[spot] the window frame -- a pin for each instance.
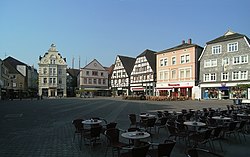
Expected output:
(233, 48)
(216, 49)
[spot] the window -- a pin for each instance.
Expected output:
(101, 73)
(210, 63)
(166, 75)
(54, 80)
(213, 62)
(45, 80)
(85, 81)
(188, 73)
(224, 76)
(244, 59)
(182, 59)
(236, 60)
(104, 81)
(173, 60)
(213, 77)
(173, 74)
(90, 81)
(54, 71)
(187, 58)
(182, 72)
(236, 75)
(216, 49)
(206, 77)
(165, 62)
(231, 47)
(59, 71)
(52, 61)
(87, 72)
(161, 75)
(240, 59)
(44, 70)
(50, 71)
(94, 81)
(60, 80)
(240, 75)
(225, 61)
(50, 80)
(161, 62)
(209, 77)
(99, 81)
(94, 73)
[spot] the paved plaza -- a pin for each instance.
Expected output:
(43, 128)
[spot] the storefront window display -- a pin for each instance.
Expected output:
(237, 92)
(213, 93)
(210, 93)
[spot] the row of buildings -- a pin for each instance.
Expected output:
(217, 71)
(220, 70)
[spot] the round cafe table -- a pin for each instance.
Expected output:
(221, 118)
(136, 136)
(91, 122)
(194, 124)
(147, 115)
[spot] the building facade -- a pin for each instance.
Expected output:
(143, 75)
(178, 71)
(52, 74)
(225, 67)
(93, 80)
(120, 79)
(22, 78)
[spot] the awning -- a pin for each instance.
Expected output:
(138, 89)
(164, 88)
(184, 87)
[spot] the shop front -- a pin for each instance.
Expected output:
(176, 90)
(223, 91)
(137, 90)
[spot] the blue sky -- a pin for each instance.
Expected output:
(103, 29)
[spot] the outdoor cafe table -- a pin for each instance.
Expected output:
(194, 124)
(243, 115)
(221, 118)
(147, 115)
(91, 122)
(136, 136)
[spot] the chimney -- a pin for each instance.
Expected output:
(189, 41)
(183, 41)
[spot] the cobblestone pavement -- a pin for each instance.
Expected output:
(42, 128)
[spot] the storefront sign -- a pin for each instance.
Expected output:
(173, 84)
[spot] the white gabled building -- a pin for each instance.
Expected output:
(52, 74)
(93, 79)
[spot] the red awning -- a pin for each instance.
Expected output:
(165, 88)
(137, 89)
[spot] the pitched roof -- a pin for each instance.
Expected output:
(151, 57)
(226, 37)
(73, 72)
(14, 62)
(128, 63)
(11, 68)
(179, 47)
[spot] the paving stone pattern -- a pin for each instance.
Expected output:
(43, 128)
